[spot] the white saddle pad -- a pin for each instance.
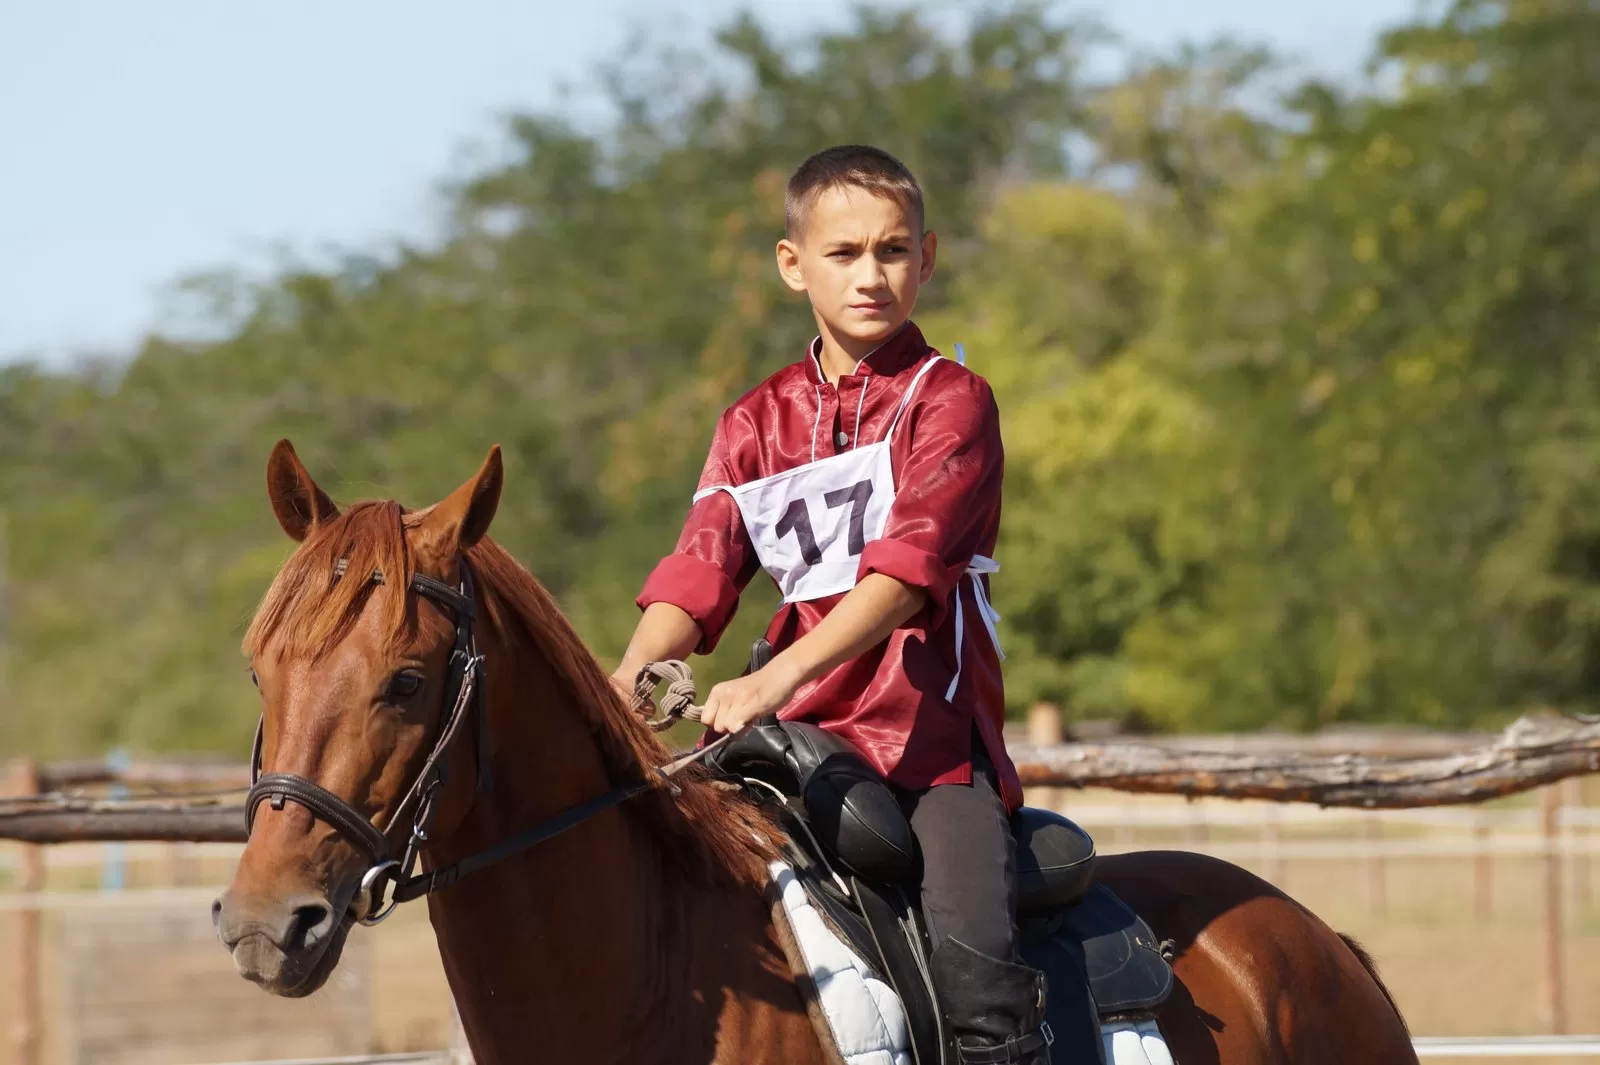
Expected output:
(865, 1015)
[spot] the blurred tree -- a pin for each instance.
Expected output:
(1299, 390)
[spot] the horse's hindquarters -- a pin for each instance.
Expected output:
(1260, 980)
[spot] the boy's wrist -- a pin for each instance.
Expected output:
(788, 669)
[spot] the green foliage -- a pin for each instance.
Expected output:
(1300, 403)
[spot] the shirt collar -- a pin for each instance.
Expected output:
(906, 347)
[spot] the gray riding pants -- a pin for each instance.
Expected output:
(969, 860)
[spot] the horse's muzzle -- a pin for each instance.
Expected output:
(288, 946)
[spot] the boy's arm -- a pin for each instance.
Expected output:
(868, 613)
(693, 593)
(946, 505)
(665, 631)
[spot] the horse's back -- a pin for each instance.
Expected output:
(1261, 980)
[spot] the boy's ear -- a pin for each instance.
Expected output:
(930, 251)
(789, 265)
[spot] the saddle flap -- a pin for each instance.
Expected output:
(1127, 972)
(849, 808)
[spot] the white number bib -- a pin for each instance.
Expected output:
(810, 524)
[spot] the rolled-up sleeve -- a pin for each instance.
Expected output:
(714, 559)
(948, 474)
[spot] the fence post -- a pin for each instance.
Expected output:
(1270, 832)
(27, 1019)
(1576, 833)
(1483, 869)
(1377, 881)
(1044, 730)
(1555, 1009)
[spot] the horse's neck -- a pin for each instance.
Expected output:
(576, 946)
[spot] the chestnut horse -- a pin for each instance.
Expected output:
(644, 932)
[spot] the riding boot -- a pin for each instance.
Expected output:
(995, 1008)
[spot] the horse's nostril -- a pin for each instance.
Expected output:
(216, 911)
(308, 925)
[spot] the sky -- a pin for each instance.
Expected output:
(142, 141)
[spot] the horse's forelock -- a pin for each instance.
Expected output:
(310, 608)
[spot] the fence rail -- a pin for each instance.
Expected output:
(1515, 1046)
(1527, 1046)
(1535, 750)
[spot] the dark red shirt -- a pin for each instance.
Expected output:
(948, 464)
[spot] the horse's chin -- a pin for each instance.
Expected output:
(289, 975)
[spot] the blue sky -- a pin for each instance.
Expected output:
(142, 140)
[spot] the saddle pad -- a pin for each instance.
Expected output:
(864, 1014)
(1134, 1043)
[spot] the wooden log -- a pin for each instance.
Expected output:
(158, 776)
(76, 821)
(1533, 751)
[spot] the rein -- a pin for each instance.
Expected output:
(463, 697)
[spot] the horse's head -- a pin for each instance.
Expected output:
(361, 650)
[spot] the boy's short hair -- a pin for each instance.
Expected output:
(849, 165)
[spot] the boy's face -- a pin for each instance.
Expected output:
(862, 262)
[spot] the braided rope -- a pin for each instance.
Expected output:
(677, 703)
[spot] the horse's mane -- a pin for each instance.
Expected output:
(309, 610)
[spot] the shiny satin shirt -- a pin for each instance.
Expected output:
(924, 433)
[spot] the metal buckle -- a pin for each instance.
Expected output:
(1049, 1036)
(372, 894)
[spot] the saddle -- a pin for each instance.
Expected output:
(853, 851)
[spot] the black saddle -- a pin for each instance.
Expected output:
(853, 850)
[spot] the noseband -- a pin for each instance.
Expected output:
(463, 696)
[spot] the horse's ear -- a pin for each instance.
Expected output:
(297, 501)
(462, 518)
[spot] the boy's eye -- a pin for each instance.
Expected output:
(404, 685)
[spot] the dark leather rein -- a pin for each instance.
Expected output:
(463, 699)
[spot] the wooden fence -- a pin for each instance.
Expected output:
(193, 801)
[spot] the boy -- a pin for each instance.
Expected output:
(865, 479)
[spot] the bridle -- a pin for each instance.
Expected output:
(463, 696)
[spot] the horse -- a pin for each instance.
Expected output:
(630, 916)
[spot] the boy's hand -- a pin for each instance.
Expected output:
(735, 703)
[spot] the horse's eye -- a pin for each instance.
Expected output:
(255, 679)
(404, 685)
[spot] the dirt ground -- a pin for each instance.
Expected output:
(1452, 971)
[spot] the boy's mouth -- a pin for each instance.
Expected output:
(872, 308)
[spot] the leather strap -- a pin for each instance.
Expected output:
(279, 787)
(416, 886)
